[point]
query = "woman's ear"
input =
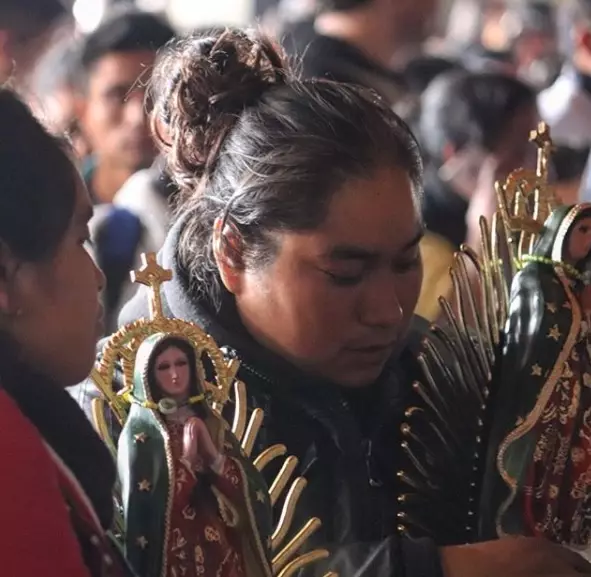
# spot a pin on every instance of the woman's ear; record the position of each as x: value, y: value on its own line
x: 227, y: 249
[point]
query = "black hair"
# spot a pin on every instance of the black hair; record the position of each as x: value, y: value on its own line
x: 37, y: 201
x: 249, y: 143
x: 58, y: 68
x: 340, y: 5
x: 28, y: 18
x: 422, y: 70
x: 582, y: 11
x: 196, y: 386
x: 37, y: 181
x: 124, y: 30
x: 470, y: 108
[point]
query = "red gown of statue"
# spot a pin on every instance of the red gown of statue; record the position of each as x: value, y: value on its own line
x: 557, y: 495
x: 201, y: 540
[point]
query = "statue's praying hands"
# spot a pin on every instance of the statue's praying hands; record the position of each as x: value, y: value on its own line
x: 198, y: 447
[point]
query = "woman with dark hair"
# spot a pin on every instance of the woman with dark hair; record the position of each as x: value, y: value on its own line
x: 296, y: 249
x: 57, y: 478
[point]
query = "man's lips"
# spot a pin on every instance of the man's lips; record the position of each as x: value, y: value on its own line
x: 373, y: 347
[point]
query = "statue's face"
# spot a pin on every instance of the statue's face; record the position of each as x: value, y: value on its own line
x: 172, y: 373
x: 579, y: 240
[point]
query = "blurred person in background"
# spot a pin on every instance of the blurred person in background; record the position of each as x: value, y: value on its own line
x: 418, y: 74
x: 115, y: 64
x: 362, y: 41
x: 26, y: 28
x: 292, y: 21
x: 474, y: 129
x: 517, y: 37
x: 54, y: 86
x: 566, y: 105
x: 534, y: 43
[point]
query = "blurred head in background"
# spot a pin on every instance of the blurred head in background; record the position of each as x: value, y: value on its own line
x: 116, y: 61
x: 387, y: 28
x: 535, y: 42
x: 26, y: 27
x: 580, y: 40
x: 467, y: 117
x: 54, y: 85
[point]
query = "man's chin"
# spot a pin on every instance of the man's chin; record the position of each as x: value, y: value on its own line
x: 137, y: 158
x: 357, y: 377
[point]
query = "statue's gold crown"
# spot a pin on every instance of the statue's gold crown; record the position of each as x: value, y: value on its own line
x: 525, y: 198
x: 122, y: 347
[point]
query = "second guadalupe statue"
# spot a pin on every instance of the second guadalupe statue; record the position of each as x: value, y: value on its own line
x: 538, y: 480
x: 514, y: 402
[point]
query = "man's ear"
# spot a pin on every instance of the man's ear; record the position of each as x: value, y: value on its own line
x: 582, y: 37
x: 6, y: 56
x: 81, y: 104
x: 227, y: 248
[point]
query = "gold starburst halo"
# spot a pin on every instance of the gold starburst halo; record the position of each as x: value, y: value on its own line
x: 122, y: 347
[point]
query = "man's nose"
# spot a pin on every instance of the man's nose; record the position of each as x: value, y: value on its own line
x: 382, y: 306
x: 135, y: 112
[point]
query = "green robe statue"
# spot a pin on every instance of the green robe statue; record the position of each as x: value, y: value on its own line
x: 537, y: 479
x: 186, y: 514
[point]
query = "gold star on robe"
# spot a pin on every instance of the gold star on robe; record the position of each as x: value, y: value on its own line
x: 551, y: 307
x: 260, y: 497
x: 142, y: 542
x: 536, y: 371
x: 140, y: 438
x: 144, y: 485
x: 554, y: 333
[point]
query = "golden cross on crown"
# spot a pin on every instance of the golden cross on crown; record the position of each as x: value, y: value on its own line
x: 152, y: 275
x: 541, y: 138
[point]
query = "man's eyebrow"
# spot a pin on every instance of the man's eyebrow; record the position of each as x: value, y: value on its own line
x: 415, y: 240
x: 350, y: 252
x: 353, y: 252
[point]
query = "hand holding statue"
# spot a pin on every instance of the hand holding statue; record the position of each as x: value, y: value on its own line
x: 513, y: 557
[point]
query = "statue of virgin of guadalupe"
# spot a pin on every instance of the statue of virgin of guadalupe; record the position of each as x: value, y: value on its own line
x: 537, y: 479
x: 193, y: 503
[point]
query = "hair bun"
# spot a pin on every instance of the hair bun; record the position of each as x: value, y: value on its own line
x: 201, y: 85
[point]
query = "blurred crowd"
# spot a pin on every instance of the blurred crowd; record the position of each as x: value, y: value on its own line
x: 471, y: 78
